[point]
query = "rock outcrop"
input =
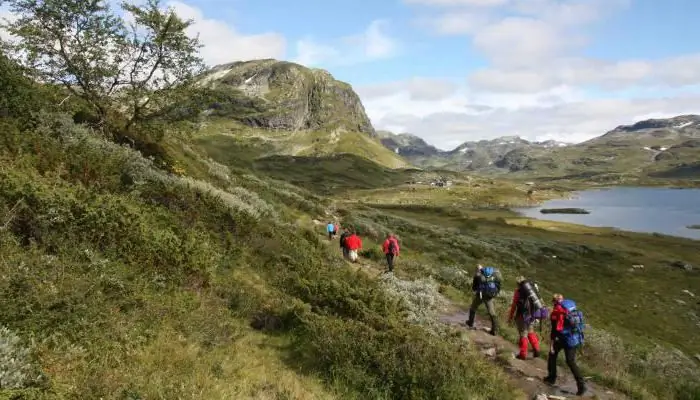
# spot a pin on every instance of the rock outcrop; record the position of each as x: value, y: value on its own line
x: 282, y: 95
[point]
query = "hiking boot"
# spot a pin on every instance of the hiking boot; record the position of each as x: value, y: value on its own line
x: 536, y: 354
x: 581, y: 389
x: 492, y: 332
x: 549, y: 380
x: 470, y: 321
x: 521, y: 357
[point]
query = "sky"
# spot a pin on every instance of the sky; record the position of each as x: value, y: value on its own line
x: 451, y: 71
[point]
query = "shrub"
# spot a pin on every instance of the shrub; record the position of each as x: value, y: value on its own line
x: 421, y: 298
x: 17, y: 368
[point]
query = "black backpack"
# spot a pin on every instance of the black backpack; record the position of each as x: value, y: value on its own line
x: 392, y: 247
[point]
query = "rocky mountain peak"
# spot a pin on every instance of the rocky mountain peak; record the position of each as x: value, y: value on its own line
x: 283, y: 95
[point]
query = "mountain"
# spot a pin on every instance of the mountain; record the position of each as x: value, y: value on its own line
x: 664, y: 148
x: 471, y: 155
x: 407, y: 145
x: 278, y: 108
x: 655, y: 147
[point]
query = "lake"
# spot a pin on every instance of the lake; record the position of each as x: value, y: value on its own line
x: 649, y: 210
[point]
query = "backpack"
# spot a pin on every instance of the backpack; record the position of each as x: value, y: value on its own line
x: 392, y: 246
x: 489, y: 285
x: 574, y: 324
x: 530, y: 304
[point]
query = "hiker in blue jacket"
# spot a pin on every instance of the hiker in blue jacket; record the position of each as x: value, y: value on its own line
x: 331, y: 230
x: 486, y: 286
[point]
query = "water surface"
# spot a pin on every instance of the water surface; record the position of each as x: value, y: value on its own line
x: 649, y: 210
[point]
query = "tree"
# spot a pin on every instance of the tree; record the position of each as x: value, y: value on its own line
x: 136, y: 70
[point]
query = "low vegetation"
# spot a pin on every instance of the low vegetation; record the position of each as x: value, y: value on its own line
x: 140, y: 262
x: 626, y: 349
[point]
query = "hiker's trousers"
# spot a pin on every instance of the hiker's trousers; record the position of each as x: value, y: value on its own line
x: 570, y: 353
x: 390, y: 261
x: 524, y: 329
x: 488, y: 301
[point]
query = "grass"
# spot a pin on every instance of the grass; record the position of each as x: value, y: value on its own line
x: 203, y: 275
x: 235, y: 144
x: 591, y: 265
x: 123, y: 280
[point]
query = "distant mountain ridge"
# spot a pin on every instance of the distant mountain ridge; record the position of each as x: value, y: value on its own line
x: 468, y: 155
x: 662, y: 146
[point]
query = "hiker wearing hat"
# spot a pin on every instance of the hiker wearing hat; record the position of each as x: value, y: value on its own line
x: 486, y: 286
x: 525, y: 309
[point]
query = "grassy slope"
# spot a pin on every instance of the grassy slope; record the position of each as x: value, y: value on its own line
x: 257, y: 142
x: 632, y: 310
x: 134, y: 283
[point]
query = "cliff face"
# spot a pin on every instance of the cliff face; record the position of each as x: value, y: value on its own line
x: 282, y: 95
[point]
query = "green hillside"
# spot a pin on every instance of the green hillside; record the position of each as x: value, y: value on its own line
x: 158, y: 252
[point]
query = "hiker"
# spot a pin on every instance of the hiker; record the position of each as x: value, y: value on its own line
x: 343, y: 245
x: 330, y: 228
x: 486, y: 286
x: 525, y: 309
x: 391, y: 250
x: 335, y: 229
x: 353, y: 243
x: 567, y: 335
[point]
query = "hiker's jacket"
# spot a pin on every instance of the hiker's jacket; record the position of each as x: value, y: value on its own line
x: 330, y: 227
x: 514, y: 305
x: 557, y: 318
x: 353, y: 242
x: 396, y: 246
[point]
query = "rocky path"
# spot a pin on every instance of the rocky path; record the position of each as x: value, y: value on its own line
x: 525, y: 374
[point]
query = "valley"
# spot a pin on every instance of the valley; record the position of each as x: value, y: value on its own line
x: 176, y: 249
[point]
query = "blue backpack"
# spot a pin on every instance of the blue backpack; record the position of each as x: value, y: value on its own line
x: 574, y: 324
x: 489, y: 286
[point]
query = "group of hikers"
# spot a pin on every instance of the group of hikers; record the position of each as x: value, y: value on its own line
x: 526, y: 308
x: 350, y: 244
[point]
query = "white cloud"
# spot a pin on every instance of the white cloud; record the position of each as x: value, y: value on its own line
x: 537, y: 83
x: 562, y: 113
x: 223, y: 44
x: 371, y: 44
x: 517, y: 41
x: 417, y: 88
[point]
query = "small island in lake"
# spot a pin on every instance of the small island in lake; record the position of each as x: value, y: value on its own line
x: 564, y: 211
x: 694, y: 226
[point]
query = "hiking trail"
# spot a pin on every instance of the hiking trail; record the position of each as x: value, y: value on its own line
x: 524, y: 374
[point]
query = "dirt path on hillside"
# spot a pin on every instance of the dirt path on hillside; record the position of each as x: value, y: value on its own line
x: 524, y: 374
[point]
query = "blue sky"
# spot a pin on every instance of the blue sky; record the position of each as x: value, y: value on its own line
x: 457, y: 70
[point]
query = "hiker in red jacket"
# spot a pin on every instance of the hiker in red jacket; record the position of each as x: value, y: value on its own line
x: 391, y: 250
x: 353, y: 243
x: 559, y: 318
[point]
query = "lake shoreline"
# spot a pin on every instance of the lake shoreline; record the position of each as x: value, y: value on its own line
x: 640, y: 209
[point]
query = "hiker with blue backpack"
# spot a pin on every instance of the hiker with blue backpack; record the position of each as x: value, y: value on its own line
x: 525, y: 309
x: 567, y: 334
x: 486, y: 286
